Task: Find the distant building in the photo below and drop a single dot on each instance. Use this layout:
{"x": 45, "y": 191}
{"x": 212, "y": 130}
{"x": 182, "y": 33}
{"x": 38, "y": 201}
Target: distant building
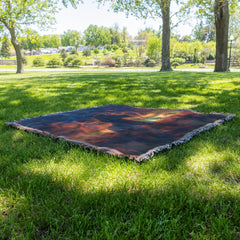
{"x": 67, "y": 48}
{"x": 137, "y": 43}
{"x": 48, "y": 50}
{"x": 82, "y": 48}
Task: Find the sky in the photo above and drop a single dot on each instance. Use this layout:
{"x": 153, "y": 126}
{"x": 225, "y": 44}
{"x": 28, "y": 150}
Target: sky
{"x": 88, "y": 13}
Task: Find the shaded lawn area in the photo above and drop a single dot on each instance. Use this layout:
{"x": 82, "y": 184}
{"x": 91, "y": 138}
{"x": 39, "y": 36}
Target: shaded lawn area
{"x": 53, "y": 190}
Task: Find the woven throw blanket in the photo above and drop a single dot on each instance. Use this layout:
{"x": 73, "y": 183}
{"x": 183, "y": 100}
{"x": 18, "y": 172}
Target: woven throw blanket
{"x": 136, "y": 133}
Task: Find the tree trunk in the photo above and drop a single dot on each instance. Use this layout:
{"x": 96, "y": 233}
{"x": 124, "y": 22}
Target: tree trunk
{"x": 221, "y": 12}
{"x": 17, "y": 48}
{"x": 165, "y": 8}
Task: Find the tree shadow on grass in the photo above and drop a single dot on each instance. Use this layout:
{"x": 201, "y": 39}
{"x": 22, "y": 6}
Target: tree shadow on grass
{"x": 110, "y": 198}
{"x": 37, "y": 95}
{"x": 43, "y": 206}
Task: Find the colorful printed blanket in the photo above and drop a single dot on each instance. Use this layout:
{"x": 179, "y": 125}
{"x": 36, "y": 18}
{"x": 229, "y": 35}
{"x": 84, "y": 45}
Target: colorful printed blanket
{"x": 136, "y": 133}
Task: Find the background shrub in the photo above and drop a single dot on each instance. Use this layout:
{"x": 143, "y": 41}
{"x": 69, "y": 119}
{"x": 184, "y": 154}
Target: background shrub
{"x": 63, "y": 54}
{"x": 175, "y": 64}
{"x": 76, "y": 62}
{"x": 138, "y": 62}
{"x": 74, "y": 51}
{"x": 109, "y": 61}
{"x": 125, "y": 50}
{"x": 115, "y": 46}
{"x": 97, "y": 62}
{"x": 54, "y": 62}
{"x": 86, "y": 52}
{"x": 105, "y": 51}
{"x": 38, "y": 62}
{"x": 96, "y": 50}
{"x": 119, "y": 60}
{"x": 178, "y": 60}
{"x": 109, "y": 48}
{"x": 68, "y": 60}
{"x": 150, "y": 62}
{"x": 24, "y": 60}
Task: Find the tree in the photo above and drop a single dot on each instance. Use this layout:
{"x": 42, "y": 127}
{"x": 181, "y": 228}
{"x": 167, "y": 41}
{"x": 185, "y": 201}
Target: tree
{"x": 15, "y": 15}
{"x": 5, "y": 50}
{"x": 234, "y": 25}
{"x": 144, "y": 9}
{"x": 205, "y": 32}
{"x": 144, "y": 35}
{"x": 115, "y": 35}
{"x": 51, "y": 41}
{"x": 31, "y": 41}
{"x": 72, "y": 38}
{"x": 97, "y": 36}
{"x": 154, "y": 48}
{"x": 124, "y": 35}
{"x": 221, "y": 10}
{"x": 165, "y": 9}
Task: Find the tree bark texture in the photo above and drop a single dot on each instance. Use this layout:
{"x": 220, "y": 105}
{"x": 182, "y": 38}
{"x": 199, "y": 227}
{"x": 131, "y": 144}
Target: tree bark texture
{"x": 17, "y": 48}
{"x": 165, "y": 9}
{"x": 221, "y": 12}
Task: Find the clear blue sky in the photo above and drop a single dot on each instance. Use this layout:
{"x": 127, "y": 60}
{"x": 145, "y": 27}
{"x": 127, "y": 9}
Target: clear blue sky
{"x": 89, "y": 13}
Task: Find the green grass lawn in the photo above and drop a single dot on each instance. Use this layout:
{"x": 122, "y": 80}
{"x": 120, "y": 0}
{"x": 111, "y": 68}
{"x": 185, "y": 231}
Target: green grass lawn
{"x": 53, "y": 190}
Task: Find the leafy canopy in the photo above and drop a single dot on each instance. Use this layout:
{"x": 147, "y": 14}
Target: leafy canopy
{"x": 21, "y": 13}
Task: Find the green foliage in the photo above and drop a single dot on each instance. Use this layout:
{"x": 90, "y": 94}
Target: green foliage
{"x": 5, "y": 49}
{"x": 175, "y": 64}
{"x": 234, "y": 25}
{"x": 125, "y": 50}
{"x": 74, "y": 51}
{"x": 205, "y": 33}
{"x": 145, "y": 35}
{"x": 38, "y": 62}
{"x": 109, "y": 62}
{"x": 150, "y": 62}
{"x": 140, "y": 51}
{"x": 115, "y": 35}
{"x": 109, "y": 47}
{"x": 51, "y": 41}
{"x": 97, "y": 62}
{"x": 105, "y": 51}
{"x": 119, "y": 60}
{"x": 77, "y": 62}
{"x": 24, "y": 60}
{"x": 138, "y": 62}
{"x": 73, "y": 61}
{"x": 195, "y": 57}
{"x": 115, "y": 47}
{"x": 31, "y": 40}
{"x": 63, "y": 54}
{"x": 154, "y": 48}
{"x": 17, "y": 14}
{"x": 178, "y": 60}
{"x": 71, "y": 38}
{"x": 86, "y": 52}
{"x": 124, "y": 35}
{"x": 96, "y": 50}
{"x": 118, "y": 52}
{"x": 68, "y": 60}
{"x": 54, "y": 62}
{"x": 97, "y": 36}
{"x": 126, "y": 59}
{"x": 192, "y": 50}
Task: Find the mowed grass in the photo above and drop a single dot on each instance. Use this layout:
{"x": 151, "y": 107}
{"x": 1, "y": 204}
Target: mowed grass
{"x": 53, "y": 190}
